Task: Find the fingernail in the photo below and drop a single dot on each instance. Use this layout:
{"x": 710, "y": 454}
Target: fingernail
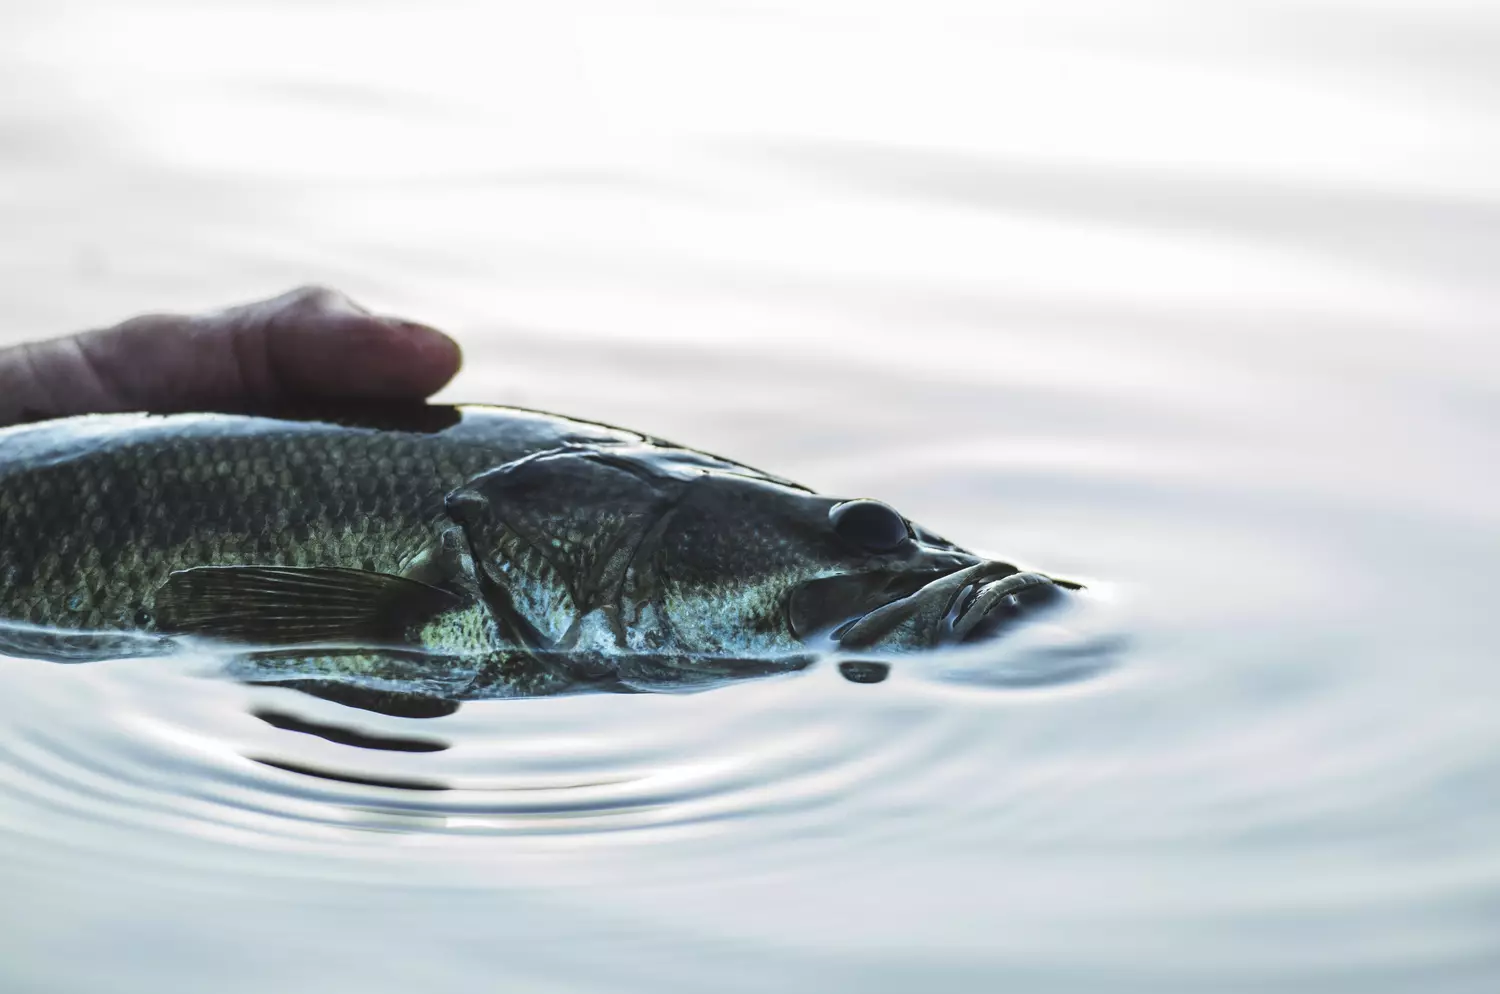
{"x": 426, "y": 337}
{"x": 413, "y": 327}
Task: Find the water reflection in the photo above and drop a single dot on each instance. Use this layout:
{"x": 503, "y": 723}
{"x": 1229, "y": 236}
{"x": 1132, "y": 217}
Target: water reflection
{"x": 1197, "y": 305}
{"x": 346, "y": 735}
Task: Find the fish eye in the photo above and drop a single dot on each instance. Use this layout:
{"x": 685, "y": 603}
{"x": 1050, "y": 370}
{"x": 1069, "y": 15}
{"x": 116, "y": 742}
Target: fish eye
{"x": 869, "y": 525}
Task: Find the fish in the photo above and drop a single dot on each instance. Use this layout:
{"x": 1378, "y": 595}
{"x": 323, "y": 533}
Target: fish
{"x": 411, "y": 554}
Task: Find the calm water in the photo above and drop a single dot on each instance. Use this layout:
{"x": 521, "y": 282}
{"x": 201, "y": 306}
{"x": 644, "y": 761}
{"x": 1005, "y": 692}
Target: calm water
{"x": 1197, "y": 300}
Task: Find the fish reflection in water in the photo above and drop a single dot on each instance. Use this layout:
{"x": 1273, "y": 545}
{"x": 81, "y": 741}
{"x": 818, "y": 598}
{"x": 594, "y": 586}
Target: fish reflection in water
{"x": 403, "y": 560}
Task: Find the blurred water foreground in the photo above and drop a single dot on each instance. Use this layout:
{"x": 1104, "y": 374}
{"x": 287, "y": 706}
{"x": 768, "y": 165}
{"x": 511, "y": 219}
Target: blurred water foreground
{"x": 1197, "y": 300}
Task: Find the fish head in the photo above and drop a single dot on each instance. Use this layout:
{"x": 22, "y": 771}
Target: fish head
{"x": 667, "y": 551}
{"x": 759, "y": 563}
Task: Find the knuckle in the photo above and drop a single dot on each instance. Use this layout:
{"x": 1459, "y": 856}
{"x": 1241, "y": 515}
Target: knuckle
{"x": 318, "y": 298}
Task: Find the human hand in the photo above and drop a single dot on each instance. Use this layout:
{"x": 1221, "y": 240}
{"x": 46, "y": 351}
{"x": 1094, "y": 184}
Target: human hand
{"x": 309, "y": 344}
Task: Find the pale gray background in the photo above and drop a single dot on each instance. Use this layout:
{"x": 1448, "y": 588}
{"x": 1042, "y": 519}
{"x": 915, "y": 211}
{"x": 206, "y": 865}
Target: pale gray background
{"x": 1195, "y": 299}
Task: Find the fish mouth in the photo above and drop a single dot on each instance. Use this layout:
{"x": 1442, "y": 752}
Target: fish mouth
{"x": 973, "y": 604}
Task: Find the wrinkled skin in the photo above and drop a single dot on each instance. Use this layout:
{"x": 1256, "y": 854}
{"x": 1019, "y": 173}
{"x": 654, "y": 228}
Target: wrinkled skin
{"x": 309, "y": 343}
{"x": 462, "y": 553}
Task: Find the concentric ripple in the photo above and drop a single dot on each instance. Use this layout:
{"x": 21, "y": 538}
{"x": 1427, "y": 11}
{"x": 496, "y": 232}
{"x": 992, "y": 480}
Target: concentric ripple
{"x": 164, "y": 747}
{"x": 1204, "y": 308}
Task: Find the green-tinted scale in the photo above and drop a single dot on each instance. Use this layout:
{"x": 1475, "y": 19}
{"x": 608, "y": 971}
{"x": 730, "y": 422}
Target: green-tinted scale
{"x": 88, "y": 532}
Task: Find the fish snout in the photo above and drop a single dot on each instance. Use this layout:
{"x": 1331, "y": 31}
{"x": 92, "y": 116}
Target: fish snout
{"x": 972, "y": 604}
{"x": 985, "y": 610}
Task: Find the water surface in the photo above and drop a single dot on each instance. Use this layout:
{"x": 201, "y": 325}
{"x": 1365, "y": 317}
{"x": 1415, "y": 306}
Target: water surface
{"x": 1195, "y": 300}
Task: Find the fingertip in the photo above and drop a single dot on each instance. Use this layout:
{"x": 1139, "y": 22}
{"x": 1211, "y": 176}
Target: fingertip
{"x": 434, "y": 357}
{"x": 348, "y": 354}
{"x": 434, "y": 346}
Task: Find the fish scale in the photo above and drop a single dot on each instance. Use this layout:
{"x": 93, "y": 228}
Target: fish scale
{"x": 95, "y": 512}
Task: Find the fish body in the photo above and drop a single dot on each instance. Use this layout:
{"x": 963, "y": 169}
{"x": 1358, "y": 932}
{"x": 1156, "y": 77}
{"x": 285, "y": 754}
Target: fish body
{"x": 458, "y": 553}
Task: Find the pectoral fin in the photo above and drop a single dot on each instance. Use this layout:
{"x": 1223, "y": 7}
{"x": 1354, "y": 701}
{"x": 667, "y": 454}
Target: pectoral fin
{"x": 275, "y": 605}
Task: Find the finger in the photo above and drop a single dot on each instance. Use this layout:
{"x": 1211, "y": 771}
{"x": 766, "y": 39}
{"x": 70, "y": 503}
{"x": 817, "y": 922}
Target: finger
{"x": 307, "y": 344}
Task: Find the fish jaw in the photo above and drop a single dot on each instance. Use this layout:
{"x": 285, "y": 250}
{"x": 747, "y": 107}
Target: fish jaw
{"x": 975, "y": 603}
